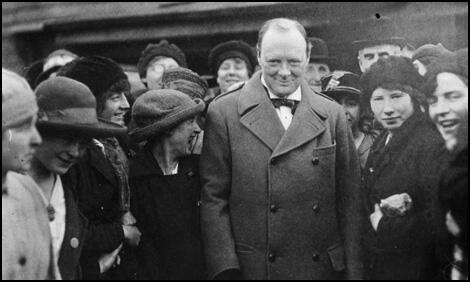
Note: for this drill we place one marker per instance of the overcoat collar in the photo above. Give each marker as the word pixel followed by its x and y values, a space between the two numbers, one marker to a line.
pixel 259 116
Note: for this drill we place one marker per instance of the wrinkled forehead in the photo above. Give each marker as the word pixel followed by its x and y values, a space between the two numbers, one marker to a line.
pixel 383 48
pixel 277 39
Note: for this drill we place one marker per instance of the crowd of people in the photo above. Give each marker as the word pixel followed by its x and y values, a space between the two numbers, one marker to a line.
pixel 290 169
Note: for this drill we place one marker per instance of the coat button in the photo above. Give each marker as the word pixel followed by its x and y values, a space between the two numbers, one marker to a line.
pixel 74 243
pixel 316 257
pixel 273 208
pixel 22 261
pixel 102 208
pixel 271 257
pixel 273 161
pixel 315 161
pixel 191 173
pixel 371 169
pixel 316 208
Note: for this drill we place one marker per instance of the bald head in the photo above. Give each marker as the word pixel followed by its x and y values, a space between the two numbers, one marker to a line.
pixel 282 25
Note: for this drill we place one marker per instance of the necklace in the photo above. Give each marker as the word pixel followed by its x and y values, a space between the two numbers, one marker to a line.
pixel 49 208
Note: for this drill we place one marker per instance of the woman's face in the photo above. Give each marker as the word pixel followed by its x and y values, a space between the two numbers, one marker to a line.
pixel 58 153
pixel 391 107
pixel 156 69
pixel 115 107
pixel 183 136
pixel 351 107
pixel 231 71
pixel 314 74
pixel 19 145
pixel 448 108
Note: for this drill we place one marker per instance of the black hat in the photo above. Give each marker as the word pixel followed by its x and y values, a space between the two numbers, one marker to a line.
pixel 98 73
pixel 454 62
pixel 394 69
pixel 163 48
pixel 429 52
pixel 340 83
pixel 232 49
pixel 319 51
pixel 378 31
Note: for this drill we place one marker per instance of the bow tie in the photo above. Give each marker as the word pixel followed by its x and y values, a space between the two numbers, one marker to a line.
pixel 277 102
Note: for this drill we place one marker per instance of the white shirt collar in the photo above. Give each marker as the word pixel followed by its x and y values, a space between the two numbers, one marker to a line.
pixel 296 95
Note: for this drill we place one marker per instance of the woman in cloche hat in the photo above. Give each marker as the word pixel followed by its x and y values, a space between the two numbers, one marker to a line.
pixel 164 178
pixel 67 122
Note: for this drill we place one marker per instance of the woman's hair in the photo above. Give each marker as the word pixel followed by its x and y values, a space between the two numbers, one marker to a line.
pixel 122 86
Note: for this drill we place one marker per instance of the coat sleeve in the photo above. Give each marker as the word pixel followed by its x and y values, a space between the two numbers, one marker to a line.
pixel 215 166
pixel 349 197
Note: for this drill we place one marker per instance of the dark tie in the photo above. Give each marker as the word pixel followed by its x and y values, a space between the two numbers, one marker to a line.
pixel 277 102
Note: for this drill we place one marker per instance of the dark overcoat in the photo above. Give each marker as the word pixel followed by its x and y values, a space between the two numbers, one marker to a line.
pixel 97 192
pixel 407 247
pixel 167 211
pixel 280 204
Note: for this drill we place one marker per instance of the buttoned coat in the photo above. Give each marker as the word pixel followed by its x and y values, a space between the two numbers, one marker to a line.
pixel 279 204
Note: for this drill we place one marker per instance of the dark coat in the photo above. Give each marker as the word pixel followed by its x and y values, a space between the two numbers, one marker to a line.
pixel 167 213
pixel 280 204
pixel 405 247
pixel 75 237
pixel 98 199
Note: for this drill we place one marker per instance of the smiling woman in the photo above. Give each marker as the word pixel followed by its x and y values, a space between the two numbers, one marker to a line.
pixel 165 181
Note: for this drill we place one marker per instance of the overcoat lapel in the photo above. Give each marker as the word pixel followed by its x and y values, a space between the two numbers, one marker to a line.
pixel 257 113
pixel 99 161
pixel 307 124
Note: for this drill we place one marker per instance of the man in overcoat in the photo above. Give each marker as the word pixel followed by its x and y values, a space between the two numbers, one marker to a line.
pixel 280 196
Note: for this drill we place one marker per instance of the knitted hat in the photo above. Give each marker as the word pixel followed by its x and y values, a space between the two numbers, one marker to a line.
pixel 197 87
pixel 68 106
pixel 394 69
pixel 377 31
pixel 340 83
pixel 456 62
pixel 160 110
pixel 97 73
pixel 161 49
pixel 232 49
pixel 319 52
pixel 18 100
pixel 429 52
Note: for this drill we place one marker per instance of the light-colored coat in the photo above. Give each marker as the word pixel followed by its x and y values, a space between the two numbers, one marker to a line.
pixel 26 237
pixel 280 204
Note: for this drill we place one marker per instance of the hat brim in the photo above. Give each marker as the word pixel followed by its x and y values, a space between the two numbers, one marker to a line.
pixel 100 129
pixel 323 59
pixel 156 128
pixel 360 44
pixel 341 91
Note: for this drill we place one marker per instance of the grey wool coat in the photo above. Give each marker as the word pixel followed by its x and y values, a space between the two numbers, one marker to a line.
pixel 280 204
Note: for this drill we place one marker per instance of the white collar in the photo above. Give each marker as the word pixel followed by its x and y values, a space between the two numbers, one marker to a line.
pixel 296 95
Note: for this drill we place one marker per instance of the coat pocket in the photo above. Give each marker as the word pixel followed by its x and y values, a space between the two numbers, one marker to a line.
pixel 324 151
pixel 336 254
